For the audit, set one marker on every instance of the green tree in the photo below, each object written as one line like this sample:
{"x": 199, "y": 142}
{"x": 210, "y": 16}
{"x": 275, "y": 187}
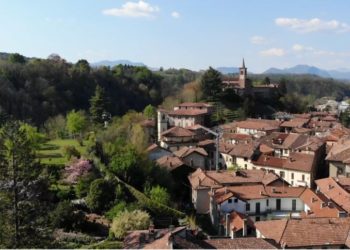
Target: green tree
{"x": 56, "y": 127}
{"x": 17, "y": 58}
{"x": 76, "y": 122}
{"x": 98, "y": 105}
{"x": 149, "y": 111}
{"x": 21, "y": 189}
{"x": 127, "y": 221}
{"x": 101, "y": 195}
{"x": 64, "y": 216}
{"x": 211, "y": 84}
{"x": 159, "y": 194}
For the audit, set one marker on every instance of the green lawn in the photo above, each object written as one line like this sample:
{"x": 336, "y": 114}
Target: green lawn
{"x": 51, "y": 152}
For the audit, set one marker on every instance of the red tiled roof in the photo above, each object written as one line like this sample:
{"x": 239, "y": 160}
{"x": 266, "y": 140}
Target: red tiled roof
{"x": 306, "y": 232}
{"x": 333, "y": 191}
{"x": 185, "y": 151}
{"x": 170, "y": 162}
{"x": 188, "y": 112}
{"x": 237, "y": 243}
{"x": 259, "y": 124}
{"x": 269, "y": 161}
{"x": 178, "y": 132}
{"x": 319, "y": 205}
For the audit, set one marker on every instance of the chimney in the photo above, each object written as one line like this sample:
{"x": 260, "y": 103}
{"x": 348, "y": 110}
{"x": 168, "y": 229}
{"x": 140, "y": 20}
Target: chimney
{"x": 245, "y": 227}
{"x": 227, "y": 220}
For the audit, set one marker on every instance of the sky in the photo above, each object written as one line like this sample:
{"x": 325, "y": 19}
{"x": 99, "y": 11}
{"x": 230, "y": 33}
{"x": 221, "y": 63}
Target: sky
{"x": 192, "y": 34}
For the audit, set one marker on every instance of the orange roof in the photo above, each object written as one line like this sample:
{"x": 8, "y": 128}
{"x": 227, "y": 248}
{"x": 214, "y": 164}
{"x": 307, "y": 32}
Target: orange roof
{"x": 186, "y": 151}
{"x": 206, "y": 179}
{"x": 333, "y": 191}
{"x": 319, "y": 205}
{"x": 178, "y": 132}
{"x": 188, "y": 112}
{"x": 170, "y": 162}
{"x": 259, "y": 124}
{"x": 306, "y": 232}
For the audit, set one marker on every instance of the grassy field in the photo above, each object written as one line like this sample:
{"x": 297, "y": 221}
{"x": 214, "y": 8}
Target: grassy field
{"x": 51, "y": 152}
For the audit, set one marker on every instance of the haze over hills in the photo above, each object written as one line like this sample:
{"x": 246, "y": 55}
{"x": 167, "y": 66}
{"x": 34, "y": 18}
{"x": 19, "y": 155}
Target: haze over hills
{"x": 116, "y": 62}
{"x": 306, "y": 69}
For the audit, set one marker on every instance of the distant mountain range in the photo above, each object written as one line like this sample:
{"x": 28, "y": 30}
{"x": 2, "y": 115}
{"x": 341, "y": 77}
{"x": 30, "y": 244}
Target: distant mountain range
{"x": 228, "y": 70}
{"x": 116, "y": 62}
{"x": 306, "y": 69}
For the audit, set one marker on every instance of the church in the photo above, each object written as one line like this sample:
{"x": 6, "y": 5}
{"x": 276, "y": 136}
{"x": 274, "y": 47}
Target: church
{"x": 243, "y": 86}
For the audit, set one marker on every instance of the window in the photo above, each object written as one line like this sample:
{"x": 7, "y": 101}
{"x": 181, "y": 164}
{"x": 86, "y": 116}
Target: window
{"x": 282, "y": 174}
{"x": 235, "y": 200}
{"x": 294, "y": 205}
{"x": 303, "y": 177}
{"x": 267, "y": 202}
{"x": 245, "y": 166}
{"x": 247, "y": 207}
{"x": 286, "y": 151}
{"x": 245, "y": 159}
{"x": 257, "y": 218}
{"x": 292, "y": 176}
{"x": 229, "y": 200}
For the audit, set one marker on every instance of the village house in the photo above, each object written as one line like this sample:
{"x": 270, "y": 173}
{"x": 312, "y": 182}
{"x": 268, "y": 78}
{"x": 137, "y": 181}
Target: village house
{"x": 336, "y": 189}
{"x": 317, "y": 205}
{"x": 257, "y": 127}
{"x": 195, "y": 157}
{"x": 155, "y": 152}
{"x": 307, "y": 232}
{"x": 202, "y": 182}
{"x": 238, "y": 155}
{"x": 177, "y": 137}
{"x": 258, "y": 201}
{"x": 298, "y": 169}
{"x": 184, "y": 115}
{"x": 338, "y": 158}
{"x": 295, "y": 123}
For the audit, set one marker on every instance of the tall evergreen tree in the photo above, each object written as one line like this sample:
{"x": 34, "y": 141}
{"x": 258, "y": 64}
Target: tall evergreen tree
{"x": 20, "y": 190}
{"x": 98, "y": 105}
{"x": 211, "y": 84}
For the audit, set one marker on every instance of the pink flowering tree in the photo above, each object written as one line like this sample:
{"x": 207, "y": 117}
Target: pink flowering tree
{"x": 78, "y": 168}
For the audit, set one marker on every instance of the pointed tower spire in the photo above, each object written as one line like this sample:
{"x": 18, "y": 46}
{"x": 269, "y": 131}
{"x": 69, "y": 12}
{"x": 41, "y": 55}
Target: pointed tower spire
{"x": 243, "y": 64}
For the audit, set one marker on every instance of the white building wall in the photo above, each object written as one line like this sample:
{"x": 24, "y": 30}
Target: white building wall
{"x": 295, "y": 178}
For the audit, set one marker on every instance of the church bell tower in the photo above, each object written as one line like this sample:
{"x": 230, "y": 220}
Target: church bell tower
{"x": 242, "y": 75}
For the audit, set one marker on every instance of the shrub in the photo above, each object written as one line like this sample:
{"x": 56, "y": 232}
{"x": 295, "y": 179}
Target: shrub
{"x": 126, "y": 221}
{"x": 101, "y": 195}
{"x": 70, "y": 151}
{"x": 119, "y": 208}
{"x": 65, "y": 217}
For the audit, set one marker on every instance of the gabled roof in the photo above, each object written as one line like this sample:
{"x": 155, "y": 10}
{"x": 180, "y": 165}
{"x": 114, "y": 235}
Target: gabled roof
{"x": 253, "y": 192}
{"x": 206, "y": 179}
{"x": 237, "y": 243}
{"x": 307, "y": 232}
{"x": 320, "y": 206}
{"x": 335, "y": 192}
{"x": 340, "y": 151}
{"x": 186, "y": 151}
{"x": 259, "y": 124}
{"x": 188, "y": 112}
{"x": 295, "y": 123}
{"x": 170, "y": 162}
{"x": 178, "y": 132}
{"x": 244, "y": 149}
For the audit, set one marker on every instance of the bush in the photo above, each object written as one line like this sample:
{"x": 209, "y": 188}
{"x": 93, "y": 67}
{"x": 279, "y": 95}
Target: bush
{"x": 159, "y": 194}
{"x": 83, "y": 185}
{"x": 101, "y": 195}
{"x": 126, "y": 221}
{"x": 121, "y": 207}
{"x": 65, "y": 217}
{"x": 70, "y": 151}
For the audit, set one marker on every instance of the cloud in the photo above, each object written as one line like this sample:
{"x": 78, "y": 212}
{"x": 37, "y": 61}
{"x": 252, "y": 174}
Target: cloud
{"x": 312, "y": 25}
{"x": 133, "y": 9}
{"x": 273, "y": 52}
{"x": 301, "y": 48}
{"x": 175, "y": 14}
{"x": 258, "y": 40}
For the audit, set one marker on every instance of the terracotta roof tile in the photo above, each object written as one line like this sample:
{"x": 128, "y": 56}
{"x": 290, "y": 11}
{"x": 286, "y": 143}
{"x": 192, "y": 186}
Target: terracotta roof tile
{"x": 335, "y": 192}
{"x": 186, "y": 151}
{"x": 238, "y": 243}
{"x": 178, "y": 132}
{"x": 170, "y": 162}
